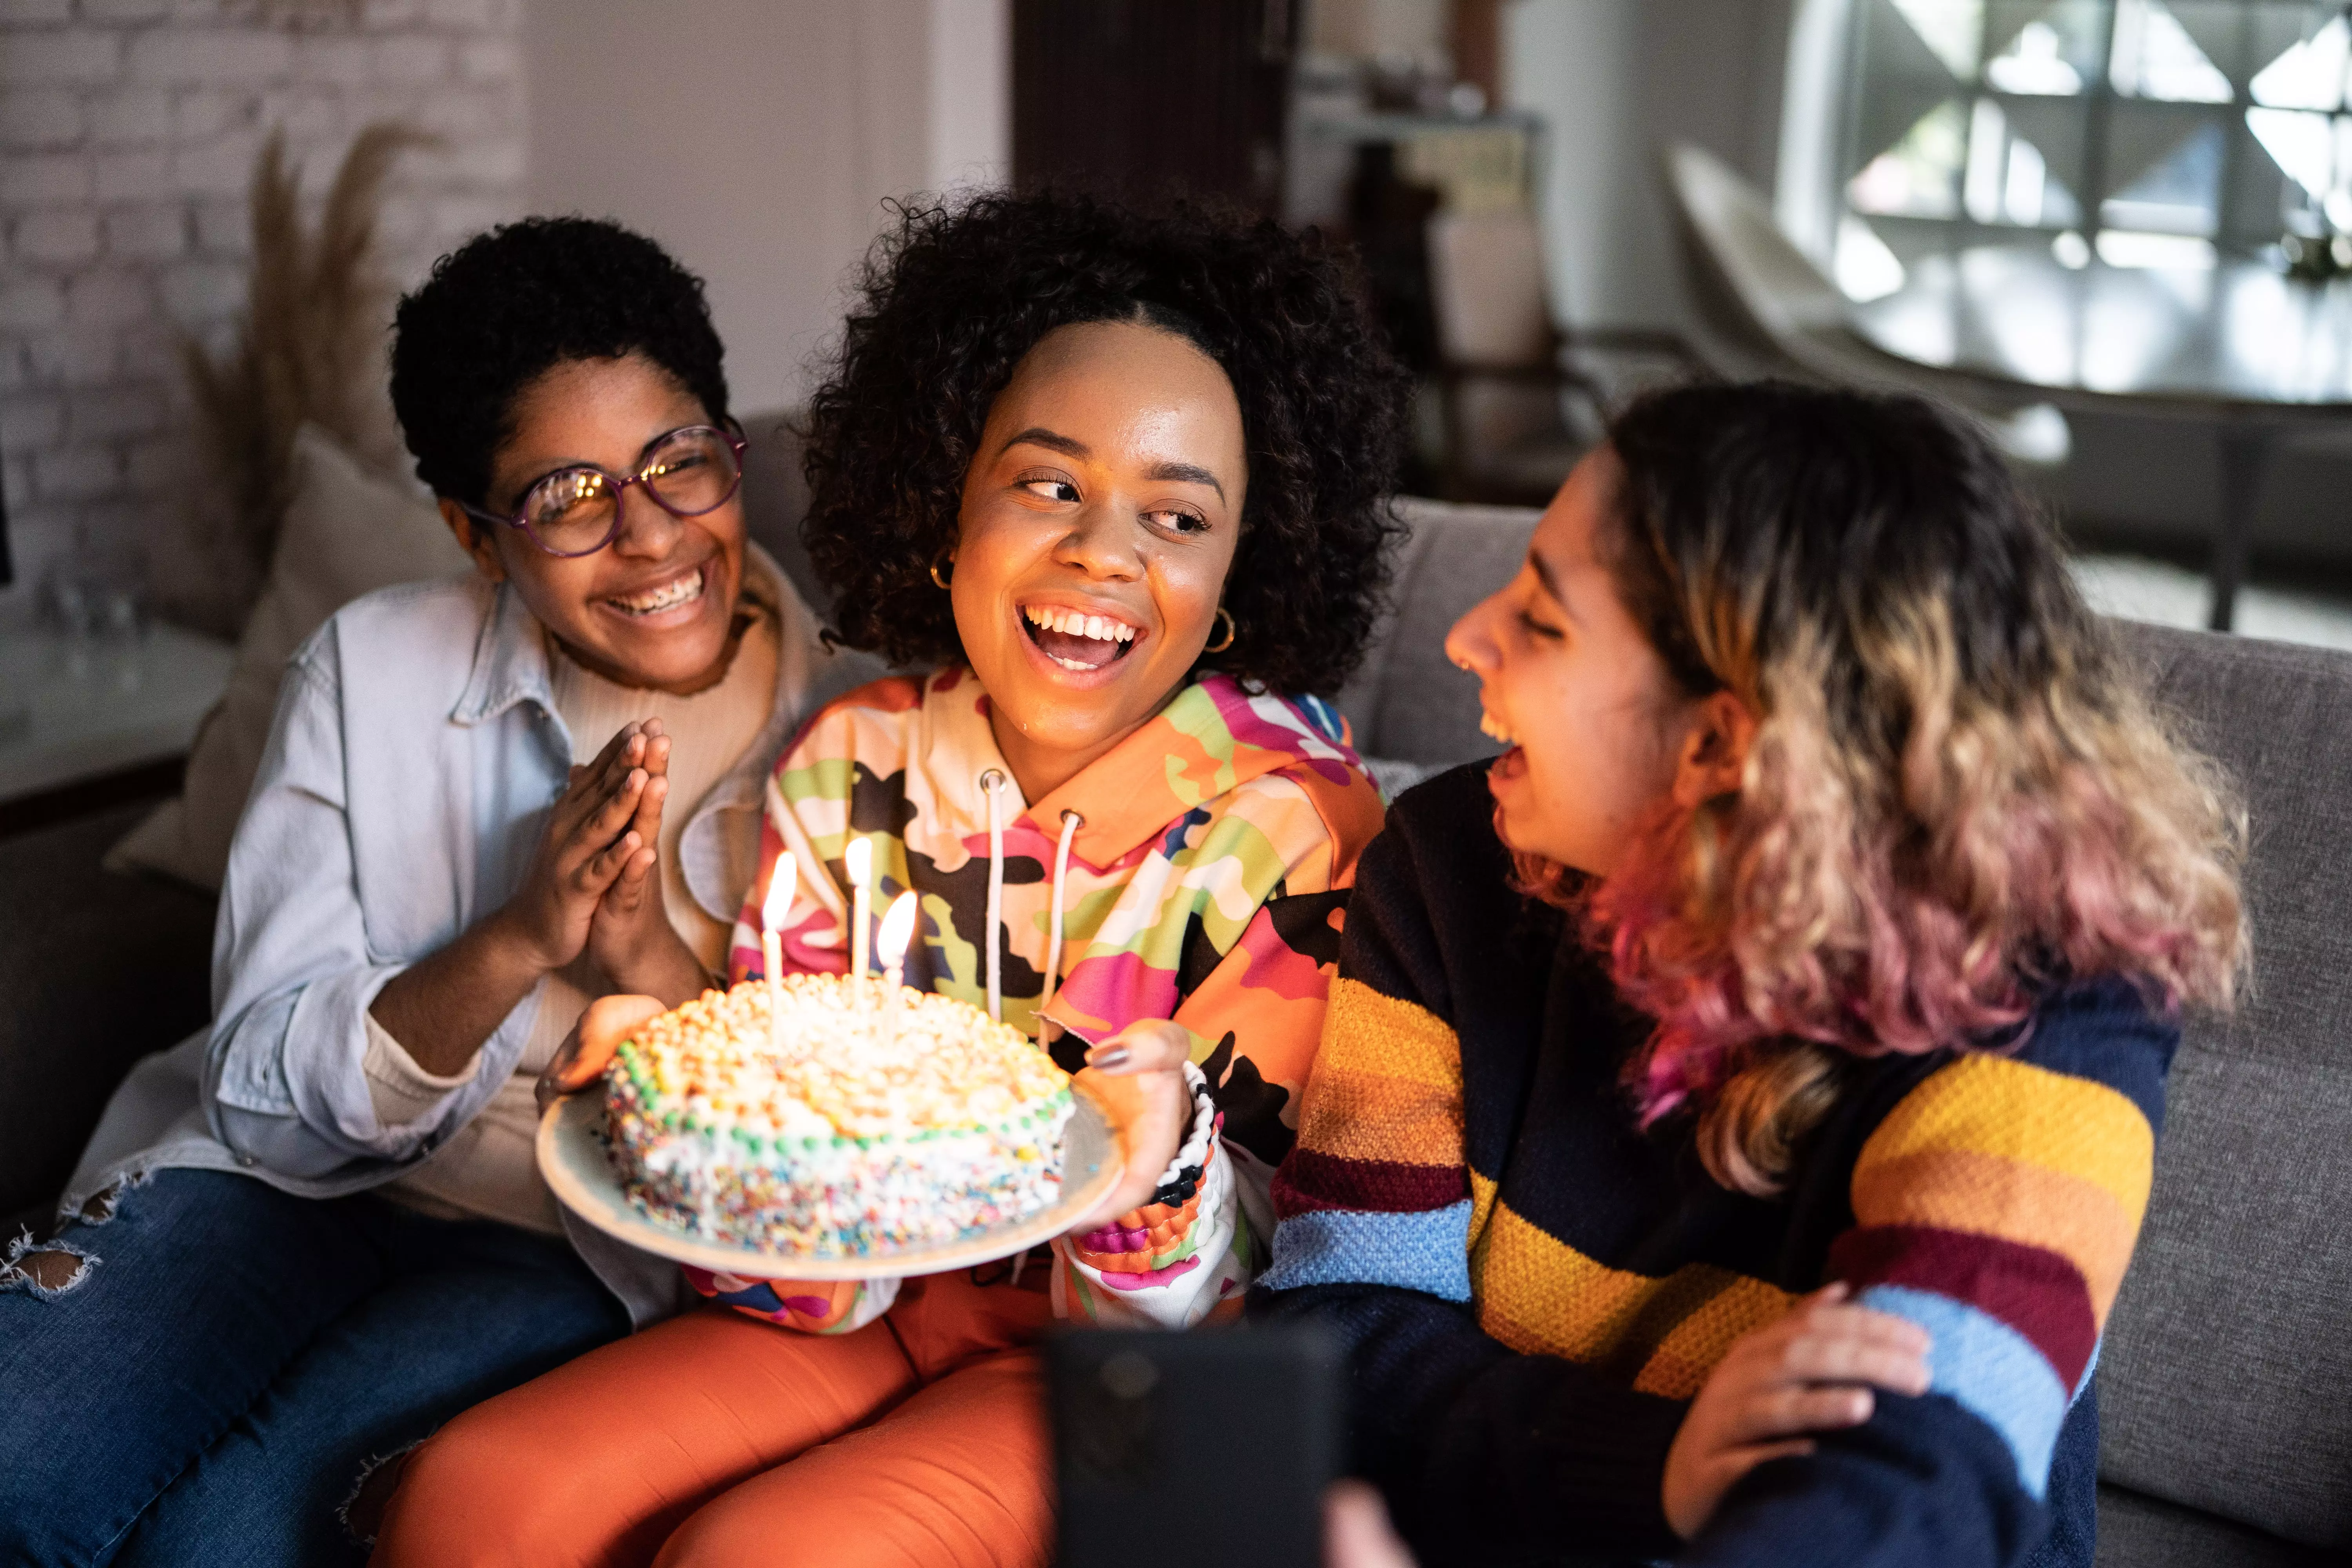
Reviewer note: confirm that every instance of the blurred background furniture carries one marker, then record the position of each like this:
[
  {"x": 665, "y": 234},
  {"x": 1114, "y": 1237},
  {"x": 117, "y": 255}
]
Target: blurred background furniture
[
  {"x": 2227, "y": 1438},
  {"x": 2095, "y": 201},
  {"x": 94, "y": 715},
  {"x": 1768, "y": 311},
  {"x": 2244, "y": 350},
  {"x": 1141, "y": 96},
  {"x": 1501, "y": 367}
]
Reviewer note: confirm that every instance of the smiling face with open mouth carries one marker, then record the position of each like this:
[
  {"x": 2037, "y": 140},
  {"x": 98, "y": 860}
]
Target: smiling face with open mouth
[
  {"x": 1098, "y": 521},
  {"x": 654, "y": 609},
  {"x": 1593, "y": 724}
]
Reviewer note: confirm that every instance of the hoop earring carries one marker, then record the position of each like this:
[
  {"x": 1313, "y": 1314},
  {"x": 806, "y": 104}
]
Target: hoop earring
[
  {"x": 1226, "y": 616},
  {"x": 948, "y": 580}
]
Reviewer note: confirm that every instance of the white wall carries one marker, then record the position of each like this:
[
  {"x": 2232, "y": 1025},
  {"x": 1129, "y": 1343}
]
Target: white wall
[
  {"x": 1616, "y": 82},
  {"x": 769, "y": 178}
]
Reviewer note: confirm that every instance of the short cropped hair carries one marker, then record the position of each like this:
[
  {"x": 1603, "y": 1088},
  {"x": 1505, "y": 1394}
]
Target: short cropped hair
[{"x": 508, "y": 306}]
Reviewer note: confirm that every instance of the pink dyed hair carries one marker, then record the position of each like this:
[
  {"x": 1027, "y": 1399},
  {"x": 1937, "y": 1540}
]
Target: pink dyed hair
[{"x": 1958, "y": 795}]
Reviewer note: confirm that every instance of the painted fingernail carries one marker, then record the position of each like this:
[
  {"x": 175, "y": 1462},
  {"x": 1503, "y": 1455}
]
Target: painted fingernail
[{"x": 1115, "y": 1057}]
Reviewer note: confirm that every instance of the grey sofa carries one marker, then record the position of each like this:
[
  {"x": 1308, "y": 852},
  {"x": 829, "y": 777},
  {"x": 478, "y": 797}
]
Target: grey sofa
[{"x": 2226, "y": 1386}]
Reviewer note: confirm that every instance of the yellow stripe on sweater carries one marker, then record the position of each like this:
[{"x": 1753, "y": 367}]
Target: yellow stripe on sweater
[
  {"x": 1386, "y": 1083},
  {"x": 2014, "y": 1110},
  {"x": 1364, "y": 1031},
  {"x": 1363, "y": 1116},
  {"x": 1541, "y": 1297}
]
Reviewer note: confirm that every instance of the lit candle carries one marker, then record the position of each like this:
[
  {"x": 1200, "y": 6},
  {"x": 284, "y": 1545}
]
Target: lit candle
[
  {"x": 859, "y": 859},
  {"x": 778, "y": 905},
  {"x": 898, "y": 931}
]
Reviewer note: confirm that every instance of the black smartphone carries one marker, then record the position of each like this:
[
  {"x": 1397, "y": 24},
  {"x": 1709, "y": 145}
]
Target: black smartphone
[{"x": 1159, "y": 1436}]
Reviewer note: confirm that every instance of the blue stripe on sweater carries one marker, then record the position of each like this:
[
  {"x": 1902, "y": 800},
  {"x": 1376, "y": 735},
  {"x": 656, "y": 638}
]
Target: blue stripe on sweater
[
  {"x": 1428, "y": 1251},
  {"x": 1989, "y": 1370}
]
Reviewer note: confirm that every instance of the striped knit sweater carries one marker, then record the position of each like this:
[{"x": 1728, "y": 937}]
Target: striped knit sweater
[{"x": 1533, "y": 1289}]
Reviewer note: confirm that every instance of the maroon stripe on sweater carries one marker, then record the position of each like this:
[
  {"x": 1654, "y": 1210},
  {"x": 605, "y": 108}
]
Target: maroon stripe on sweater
[
  {"x": 1310, "y": 1180},
  {"x": 2036, "y": 1291}
]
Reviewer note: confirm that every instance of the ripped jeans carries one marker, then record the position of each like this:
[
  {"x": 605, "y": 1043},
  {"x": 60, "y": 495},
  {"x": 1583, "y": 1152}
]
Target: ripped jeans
[{"x": 211, "y": 1385}]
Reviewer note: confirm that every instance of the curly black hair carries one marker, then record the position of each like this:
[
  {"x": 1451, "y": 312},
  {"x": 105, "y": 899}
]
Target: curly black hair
[
  {"x": 506, "y": 306},
  {"x": 952, "y": 300}
]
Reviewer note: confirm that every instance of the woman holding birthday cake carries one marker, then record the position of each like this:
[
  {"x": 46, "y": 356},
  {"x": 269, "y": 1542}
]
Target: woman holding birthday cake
[{"x": 1118, "y": 483}]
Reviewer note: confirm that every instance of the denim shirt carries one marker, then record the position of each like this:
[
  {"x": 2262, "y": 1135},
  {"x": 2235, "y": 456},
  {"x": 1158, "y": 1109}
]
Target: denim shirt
[{"x": 410, "y": 769}]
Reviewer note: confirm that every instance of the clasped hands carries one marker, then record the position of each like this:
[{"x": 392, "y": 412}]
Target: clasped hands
[{"x": 592, "y": 885}]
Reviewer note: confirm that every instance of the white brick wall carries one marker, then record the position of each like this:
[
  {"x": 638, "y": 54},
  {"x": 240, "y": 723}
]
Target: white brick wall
[{"x": 128, "y": 132}]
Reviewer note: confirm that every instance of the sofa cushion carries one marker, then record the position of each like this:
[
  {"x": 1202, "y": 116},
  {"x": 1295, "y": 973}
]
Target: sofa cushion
[
  {"x": 96, "y": 971},
  {"x": 776, "y": 496},
  {"x": 2226, "y": 1382},
  {"x": 2137, "y": 1531},
  {"x": 348, "y": 532},
  {"x": 1406, "y": 702}
]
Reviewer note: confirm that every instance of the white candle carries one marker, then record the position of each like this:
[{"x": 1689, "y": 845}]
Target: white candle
[
  {"x": 858, "y": 858},
  {"x": 773, "y": 910},
  {"x": 898, "y": 931}
]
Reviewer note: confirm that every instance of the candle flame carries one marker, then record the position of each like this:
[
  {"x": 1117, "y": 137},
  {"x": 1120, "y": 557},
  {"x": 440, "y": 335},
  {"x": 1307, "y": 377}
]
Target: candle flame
[
  {"x": 859, "y": 859},
  {"x": 898, "y": 931},
  {"x": 780, "y": 885}
]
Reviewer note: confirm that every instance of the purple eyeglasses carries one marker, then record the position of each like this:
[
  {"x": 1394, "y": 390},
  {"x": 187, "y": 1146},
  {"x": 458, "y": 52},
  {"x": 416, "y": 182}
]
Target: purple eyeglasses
[{"x": 577, "y": 510}]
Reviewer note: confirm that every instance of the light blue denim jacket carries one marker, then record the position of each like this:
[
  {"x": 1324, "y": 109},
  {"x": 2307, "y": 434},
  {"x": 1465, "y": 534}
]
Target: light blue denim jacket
[{"x": 410, "y": 768}]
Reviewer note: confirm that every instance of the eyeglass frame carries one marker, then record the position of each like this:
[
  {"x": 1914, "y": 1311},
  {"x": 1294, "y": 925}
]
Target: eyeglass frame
[{"x": 730, "y": 433}]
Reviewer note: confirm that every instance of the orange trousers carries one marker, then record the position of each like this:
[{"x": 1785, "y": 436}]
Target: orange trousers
[{"x": 919, "y": 1441}]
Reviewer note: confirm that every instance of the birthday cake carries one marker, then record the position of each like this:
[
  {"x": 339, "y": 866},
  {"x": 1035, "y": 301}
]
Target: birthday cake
[{"x": 837, "y": 1125}]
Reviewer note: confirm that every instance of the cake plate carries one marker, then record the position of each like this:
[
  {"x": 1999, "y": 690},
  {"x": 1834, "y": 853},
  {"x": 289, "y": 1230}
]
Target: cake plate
[{"x": 571, "y": 1157}]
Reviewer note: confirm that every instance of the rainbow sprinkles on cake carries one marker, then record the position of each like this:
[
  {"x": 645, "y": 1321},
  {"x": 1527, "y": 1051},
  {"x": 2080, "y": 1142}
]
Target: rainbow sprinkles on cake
[{"x": 813, "y": 1116}]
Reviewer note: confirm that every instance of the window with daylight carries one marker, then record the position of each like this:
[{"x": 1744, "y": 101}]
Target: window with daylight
[{"x": 2146, "y": 133}]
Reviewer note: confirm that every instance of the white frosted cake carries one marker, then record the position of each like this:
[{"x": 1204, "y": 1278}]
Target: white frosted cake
[{"x": 832, "y": 1133}]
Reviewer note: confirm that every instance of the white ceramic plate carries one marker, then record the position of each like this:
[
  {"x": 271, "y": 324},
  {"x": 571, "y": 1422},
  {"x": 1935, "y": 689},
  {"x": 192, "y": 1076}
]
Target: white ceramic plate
[{"x": 571, "y": 1157}]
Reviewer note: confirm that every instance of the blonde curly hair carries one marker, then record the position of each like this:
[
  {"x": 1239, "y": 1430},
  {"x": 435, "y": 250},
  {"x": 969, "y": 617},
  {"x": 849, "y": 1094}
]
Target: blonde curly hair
[{"x": 1958, "y": 796}]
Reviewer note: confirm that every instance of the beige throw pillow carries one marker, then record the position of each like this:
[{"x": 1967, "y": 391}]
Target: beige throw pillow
[{"x": 348, "y": 532}]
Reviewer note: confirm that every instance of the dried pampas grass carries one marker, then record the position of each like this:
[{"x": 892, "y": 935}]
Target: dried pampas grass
[{"x": 310, "y": 346}]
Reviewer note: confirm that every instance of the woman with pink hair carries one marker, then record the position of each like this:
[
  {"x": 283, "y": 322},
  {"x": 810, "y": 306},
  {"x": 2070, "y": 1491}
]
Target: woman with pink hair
[{"x": 1737, "y": 1103}]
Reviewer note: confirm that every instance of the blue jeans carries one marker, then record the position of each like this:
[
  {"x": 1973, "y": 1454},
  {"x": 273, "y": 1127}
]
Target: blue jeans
[{"x": 212, "y": 1388}]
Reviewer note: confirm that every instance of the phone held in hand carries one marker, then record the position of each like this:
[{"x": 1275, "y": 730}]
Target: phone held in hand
[{"x": 1184, "y": 1448}]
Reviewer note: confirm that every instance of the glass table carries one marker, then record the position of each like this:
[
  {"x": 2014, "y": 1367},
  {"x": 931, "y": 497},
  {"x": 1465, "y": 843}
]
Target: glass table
[
  {"x": 2236, "y": 345},
  {"x": 77, "y": 709}
]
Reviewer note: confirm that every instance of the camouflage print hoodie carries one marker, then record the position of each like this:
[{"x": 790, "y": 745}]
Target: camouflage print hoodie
[{"x": 1200, "y": 871}]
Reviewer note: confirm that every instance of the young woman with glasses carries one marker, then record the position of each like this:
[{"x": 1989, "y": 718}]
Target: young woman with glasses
[{"x": 316, "y": 1231}]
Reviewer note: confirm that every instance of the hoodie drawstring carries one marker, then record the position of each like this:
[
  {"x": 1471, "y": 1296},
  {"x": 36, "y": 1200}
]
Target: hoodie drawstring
[
  {"x": 1071, "y": 823},
  {"x": 991, "y": 783}
]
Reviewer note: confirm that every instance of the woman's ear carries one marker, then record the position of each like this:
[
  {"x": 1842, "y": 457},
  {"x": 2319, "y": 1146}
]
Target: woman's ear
[
  {"x": 474, "y": 539},
  {"x": 1715, "y": 749}
]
